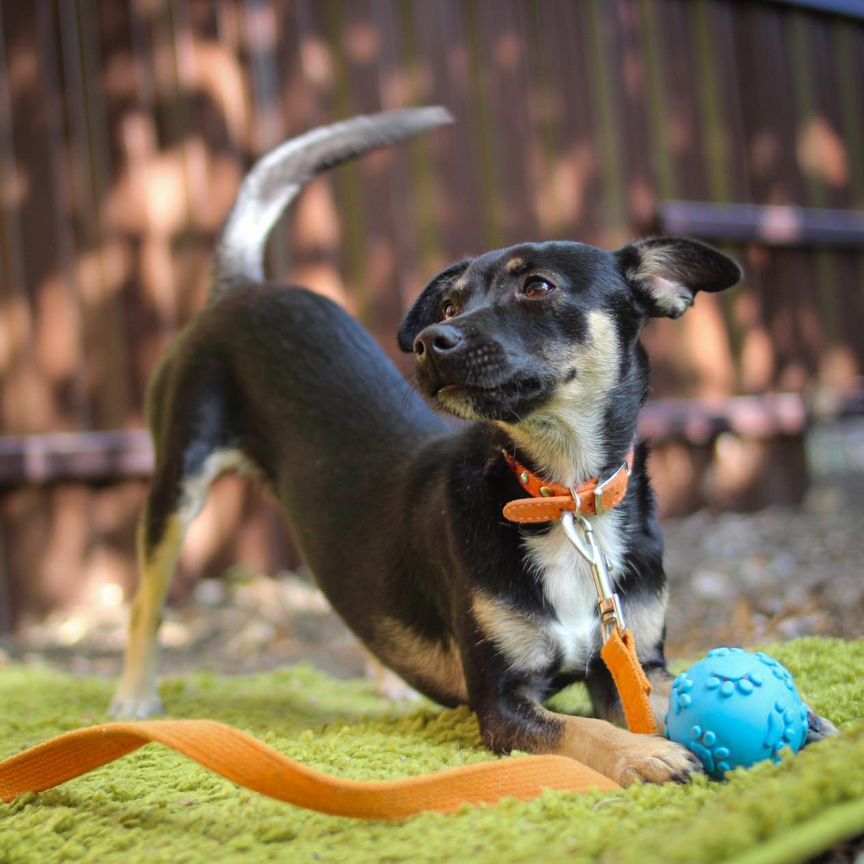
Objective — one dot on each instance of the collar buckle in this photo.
(602, 487)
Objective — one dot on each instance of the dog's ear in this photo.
(424, 311)
(666, 273)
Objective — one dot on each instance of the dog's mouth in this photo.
(511, 399)
(446, 389)
(449, 388)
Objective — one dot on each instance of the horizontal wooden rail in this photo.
(699, 421)
(75, 456)
(773, 225)
(99, 457)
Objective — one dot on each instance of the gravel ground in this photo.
(765, 577)
(748, 579)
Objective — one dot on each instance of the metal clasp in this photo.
(608, 604)
(601, 488)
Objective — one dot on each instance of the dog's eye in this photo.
(536, 287)
(448, 310)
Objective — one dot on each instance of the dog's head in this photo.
(499, 336)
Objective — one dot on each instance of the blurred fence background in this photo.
(126, 125)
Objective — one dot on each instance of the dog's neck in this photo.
(559, 452)
(575, 438)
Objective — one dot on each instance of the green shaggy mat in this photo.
(155, 806)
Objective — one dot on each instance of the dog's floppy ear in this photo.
(424, 311)
(666, 273)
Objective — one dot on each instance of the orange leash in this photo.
(619, 655)
(248, 762)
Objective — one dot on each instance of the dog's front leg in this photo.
(511, 715)
(516, 721)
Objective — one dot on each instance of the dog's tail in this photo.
(276, 179)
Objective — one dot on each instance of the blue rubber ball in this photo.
(736, 708)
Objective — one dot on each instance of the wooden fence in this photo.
(125, 128)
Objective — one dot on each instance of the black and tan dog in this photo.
(399, 517)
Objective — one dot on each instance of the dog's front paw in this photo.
(653, 759)
(818, 729)
(136, 707)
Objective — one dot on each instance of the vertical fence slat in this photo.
(28, 225)
(15, 321)
(847, 57)
(602, 75)
(574, 176)
(441, 41)
(413, 195)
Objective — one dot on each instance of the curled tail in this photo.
(277, 178)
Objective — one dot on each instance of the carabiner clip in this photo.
(608, 604)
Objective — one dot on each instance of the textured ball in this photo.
(734, 709)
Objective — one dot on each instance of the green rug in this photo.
(155, 806)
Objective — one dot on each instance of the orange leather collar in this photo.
(549, 501)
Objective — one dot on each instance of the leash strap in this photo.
(619, 646)
(634, 688)
(248, 762)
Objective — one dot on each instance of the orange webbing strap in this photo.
(619, 655)
(248, 762)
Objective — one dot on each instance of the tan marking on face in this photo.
(420, 660)
(526, 644)
(516, 265)
(565, 436)
(459, 284)
(598, 358)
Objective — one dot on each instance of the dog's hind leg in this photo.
(177, 495)
(167, 514)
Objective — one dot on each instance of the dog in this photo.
(399, 516)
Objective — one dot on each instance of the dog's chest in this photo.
(568, 587)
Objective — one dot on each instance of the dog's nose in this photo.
(436, 340)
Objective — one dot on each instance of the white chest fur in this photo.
(567, 640)
(568, 586)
